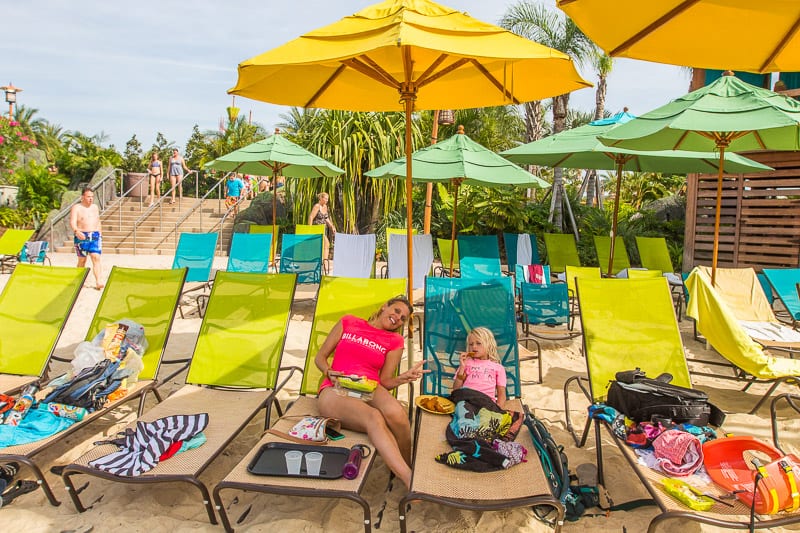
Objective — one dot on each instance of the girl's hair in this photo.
(486, 337)
(322, 195)
(399, 298)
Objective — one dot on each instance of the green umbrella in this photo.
(726, 114)
(580, 148)
(279, 156)
(459, 160)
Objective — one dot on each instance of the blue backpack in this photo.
(90, 388)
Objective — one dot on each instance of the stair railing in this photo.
(106, 185)
(159, 205)
(199, 205)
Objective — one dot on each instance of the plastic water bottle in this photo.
(353, 464)
(15, 416)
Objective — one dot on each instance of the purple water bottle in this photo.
(353, 464)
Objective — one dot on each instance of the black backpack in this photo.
(643, 399)
(90, 388)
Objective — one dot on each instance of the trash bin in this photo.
(136, 183)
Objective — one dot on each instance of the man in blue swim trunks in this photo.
(84, 219)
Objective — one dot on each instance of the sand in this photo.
(176, 507)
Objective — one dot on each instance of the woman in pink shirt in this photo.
(371, 348)
(480, 368)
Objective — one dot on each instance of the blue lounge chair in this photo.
(302, 255)
(784, 281)
(521, 249)
(249, 252)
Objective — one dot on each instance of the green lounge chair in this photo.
(11, 243)
(445, 246)
(233, 375)
(148, 297)
(34, 307)
(627, 324)
(337, 297)
(450, 311)
(654, 254)
(561, 251)
(602, 245)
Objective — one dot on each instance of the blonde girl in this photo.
(480, 367)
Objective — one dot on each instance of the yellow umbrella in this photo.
(402, 55)
(744, 35)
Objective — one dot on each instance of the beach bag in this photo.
(643, 400)
(310, 430)
(90, 388)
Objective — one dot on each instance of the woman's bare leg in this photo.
(396, 419)
(172, 181)
(360, 416)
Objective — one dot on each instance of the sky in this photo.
(145, 67)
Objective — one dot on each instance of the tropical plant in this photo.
(551, 28)
(13, 142)
(83, 156)
(39, 191)
(133, 158)
(14, 218)
(355, 142)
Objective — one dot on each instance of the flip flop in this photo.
(21, 487)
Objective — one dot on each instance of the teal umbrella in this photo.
(580, 148)
(727, 114)
(459, 160)
(275, 156)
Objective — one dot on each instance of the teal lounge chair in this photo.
(450, 311)
(521, 249)
(249, 252)
(196, 253)
(302, 255)
(784, 282)
(479, 256)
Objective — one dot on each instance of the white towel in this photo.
(423, 257)
(354, 255)
(524, 249)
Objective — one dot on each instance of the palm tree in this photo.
(603, 63)
(550, 28)
(356, 142)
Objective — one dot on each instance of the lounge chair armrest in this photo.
(184, 365)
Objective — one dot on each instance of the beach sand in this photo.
(176, 507)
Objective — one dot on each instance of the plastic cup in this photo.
(294, 459)
(313, 463)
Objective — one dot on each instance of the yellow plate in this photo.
(446, 404)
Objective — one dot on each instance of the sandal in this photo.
(21, 487)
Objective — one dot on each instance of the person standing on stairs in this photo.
(156, 174)
(84, 219)
(176, 167)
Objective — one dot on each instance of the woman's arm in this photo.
(389, 380)
(183, 162)
(314, 211)
(333, 338)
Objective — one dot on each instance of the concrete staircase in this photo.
(156, 234)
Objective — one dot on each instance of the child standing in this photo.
(480, 367)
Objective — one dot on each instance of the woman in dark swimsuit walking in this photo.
(156, 174)
(320, 215)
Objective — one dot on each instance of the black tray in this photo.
(270, 460)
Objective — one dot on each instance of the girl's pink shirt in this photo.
(483, 375)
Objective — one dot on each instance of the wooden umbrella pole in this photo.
(274, 215)
(407, 96)
(453, 228)
(620, 162)
(721, 144)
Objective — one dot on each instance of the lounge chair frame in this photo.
(670, 508)
(440, 484)
(230, 402)
(25, 453)
(363, 297)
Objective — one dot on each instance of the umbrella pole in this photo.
(274, 214)
(453, 229)
(408, 99)
(721, 144)
(614, 217)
